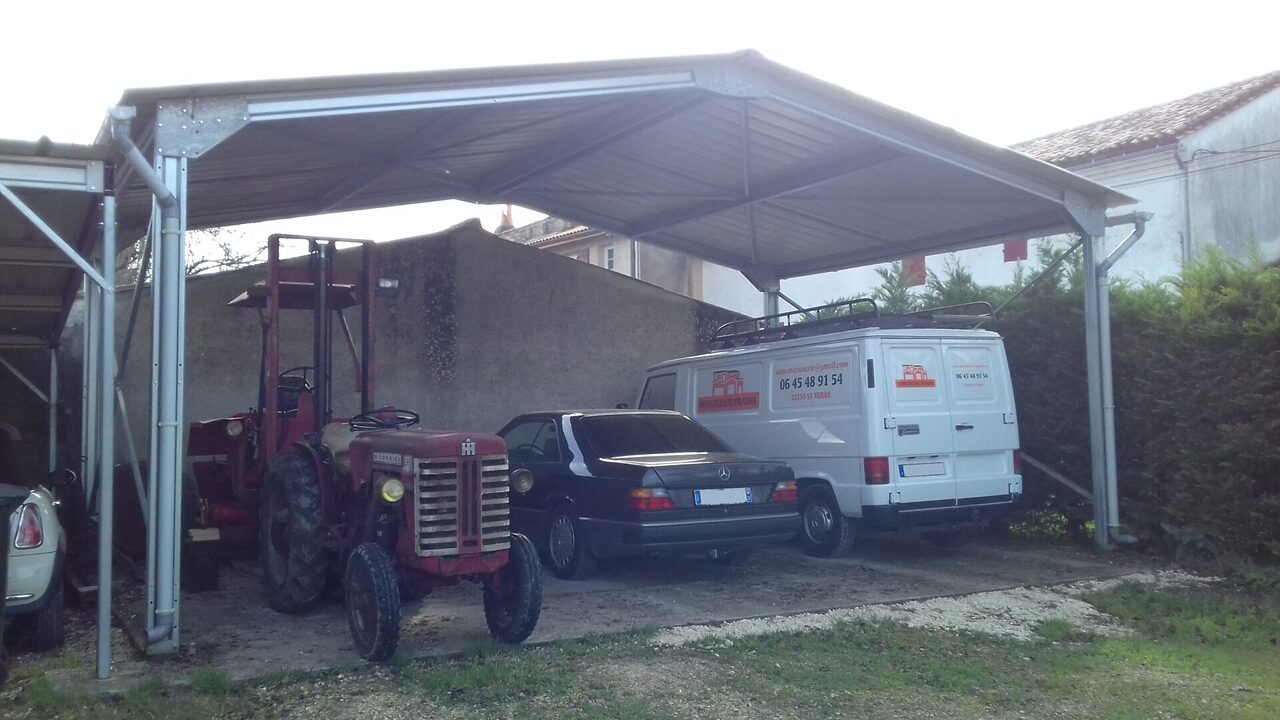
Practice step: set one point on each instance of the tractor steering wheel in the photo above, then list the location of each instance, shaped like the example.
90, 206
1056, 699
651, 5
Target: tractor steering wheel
293, 378
385, 418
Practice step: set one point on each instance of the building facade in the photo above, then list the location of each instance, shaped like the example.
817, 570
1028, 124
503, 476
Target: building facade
1207, 166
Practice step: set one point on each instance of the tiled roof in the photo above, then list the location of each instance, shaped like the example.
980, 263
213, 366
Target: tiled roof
1148, 127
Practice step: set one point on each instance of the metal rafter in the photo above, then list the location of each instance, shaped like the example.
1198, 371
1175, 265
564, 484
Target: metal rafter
768, 190
633, 116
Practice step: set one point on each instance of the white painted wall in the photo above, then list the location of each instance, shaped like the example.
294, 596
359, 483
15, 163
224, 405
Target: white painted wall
1234, 204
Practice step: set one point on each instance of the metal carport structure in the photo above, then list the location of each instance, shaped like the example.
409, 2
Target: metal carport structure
57, 237
730, 158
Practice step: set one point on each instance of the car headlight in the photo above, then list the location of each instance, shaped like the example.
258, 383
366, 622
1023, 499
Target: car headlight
522, 481
392, 490
234, 428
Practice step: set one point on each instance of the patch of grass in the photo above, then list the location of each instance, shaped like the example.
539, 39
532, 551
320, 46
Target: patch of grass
44, 699
146, 697
207, 681
1062, 631
1203, 654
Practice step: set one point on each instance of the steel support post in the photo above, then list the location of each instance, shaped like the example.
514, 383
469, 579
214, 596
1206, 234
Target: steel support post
168, 313
1093, 368
88, 394
106, 385
771, 305
53, 408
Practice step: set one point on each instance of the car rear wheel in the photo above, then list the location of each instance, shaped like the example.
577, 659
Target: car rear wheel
513, 595
825, 531
373, 603
566, 547
46, 623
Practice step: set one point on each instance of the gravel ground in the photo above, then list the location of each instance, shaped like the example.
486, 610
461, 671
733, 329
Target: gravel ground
1013, 614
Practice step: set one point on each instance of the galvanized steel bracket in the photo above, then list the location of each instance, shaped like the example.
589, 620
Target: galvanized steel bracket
1088, 213
190, 128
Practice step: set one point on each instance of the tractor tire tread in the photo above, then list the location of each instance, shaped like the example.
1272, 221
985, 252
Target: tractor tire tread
307, 575
387, 597
523, 559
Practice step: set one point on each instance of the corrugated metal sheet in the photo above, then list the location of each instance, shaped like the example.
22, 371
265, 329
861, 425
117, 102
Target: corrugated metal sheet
732, 158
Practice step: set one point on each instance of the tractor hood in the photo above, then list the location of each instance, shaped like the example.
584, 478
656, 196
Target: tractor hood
389, 449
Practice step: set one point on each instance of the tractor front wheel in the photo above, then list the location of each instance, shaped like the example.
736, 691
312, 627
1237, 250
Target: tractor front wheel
373, 603
294, 559
513, 595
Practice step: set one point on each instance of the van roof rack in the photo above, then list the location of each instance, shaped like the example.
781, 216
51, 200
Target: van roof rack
837, 316
852, 314
948, 315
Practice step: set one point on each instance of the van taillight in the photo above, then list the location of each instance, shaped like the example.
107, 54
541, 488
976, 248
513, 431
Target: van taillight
649, 499
1017, 461
876, 470
30, 530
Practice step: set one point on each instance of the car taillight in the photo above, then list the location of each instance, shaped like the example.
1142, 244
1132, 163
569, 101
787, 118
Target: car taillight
1017, 461
30, 530
876, 470
784, 492
648, 499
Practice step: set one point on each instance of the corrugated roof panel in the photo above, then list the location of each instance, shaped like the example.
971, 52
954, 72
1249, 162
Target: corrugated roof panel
647, 147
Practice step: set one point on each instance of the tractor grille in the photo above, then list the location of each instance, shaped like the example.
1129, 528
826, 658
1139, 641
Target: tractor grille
463, 505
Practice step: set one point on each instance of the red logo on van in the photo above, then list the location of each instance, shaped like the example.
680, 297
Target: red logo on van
915, 376
728, 393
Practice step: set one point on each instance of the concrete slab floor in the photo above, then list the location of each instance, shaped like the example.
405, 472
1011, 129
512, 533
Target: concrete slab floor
232, 630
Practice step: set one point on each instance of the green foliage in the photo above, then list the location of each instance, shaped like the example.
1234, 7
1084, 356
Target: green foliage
1196, 362
208, 681
893, 295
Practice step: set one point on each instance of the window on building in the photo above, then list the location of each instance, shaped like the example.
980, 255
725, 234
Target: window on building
608, 258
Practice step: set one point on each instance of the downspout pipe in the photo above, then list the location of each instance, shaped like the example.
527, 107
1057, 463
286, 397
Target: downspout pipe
1139, 222
121, 118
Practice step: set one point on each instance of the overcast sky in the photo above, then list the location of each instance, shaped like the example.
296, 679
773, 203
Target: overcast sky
1002, 72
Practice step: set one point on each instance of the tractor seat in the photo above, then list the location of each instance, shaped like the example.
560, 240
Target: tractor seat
336, 438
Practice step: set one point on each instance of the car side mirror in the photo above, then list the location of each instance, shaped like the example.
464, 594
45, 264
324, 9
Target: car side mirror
62, 477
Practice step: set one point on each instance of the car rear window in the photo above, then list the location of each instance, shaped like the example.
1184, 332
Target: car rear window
623, 435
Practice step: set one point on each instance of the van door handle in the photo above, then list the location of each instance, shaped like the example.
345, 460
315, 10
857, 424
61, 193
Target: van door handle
964, 426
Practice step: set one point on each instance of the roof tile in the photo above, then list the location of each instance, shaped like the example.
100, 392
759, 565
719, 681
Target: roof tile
1148, 127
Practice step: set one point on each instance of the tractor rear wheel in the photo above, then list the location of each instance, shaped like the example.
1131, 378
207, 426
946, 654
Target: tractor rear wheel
373, 602
513, 595
294, 559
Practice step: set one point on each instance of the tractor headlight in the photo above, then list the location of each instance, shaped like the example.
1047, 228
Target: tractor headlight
234, 428
392, 490
522, 481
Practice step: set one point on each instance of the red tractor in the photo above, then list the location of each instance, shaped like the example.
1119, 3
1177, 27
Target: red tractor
373, 503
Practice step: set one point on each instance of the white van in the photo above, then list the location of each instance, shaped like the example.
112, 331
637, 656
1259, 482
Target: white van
887, 421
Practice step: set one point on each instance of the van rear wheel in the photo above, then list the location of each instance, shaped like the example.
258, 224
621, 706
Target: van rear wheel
825, 531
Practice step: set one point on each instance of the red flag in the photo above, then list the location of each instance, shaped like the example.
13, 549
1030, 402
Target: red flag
913, 268
1016, 250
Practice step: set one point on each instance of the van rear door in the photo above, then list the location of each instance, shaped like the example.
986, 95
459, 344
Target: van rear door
983, 427
919, 421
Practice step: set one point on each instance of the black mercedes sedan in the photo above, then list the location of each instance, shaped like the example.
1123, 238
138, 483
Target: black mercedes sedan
591, 484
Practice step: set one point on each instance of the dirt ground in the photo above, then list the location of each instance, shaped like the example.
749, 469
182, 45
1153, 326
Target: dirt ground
233, 632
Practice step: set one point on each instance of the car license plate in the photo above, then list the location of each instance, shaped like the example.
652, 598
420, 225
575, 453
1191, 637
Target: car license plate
726, 496
910, 470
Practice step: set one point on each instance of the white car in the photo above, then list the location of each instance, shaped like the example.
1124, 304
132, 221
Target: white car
37, 549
